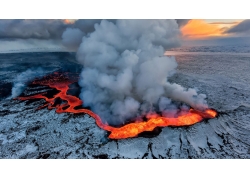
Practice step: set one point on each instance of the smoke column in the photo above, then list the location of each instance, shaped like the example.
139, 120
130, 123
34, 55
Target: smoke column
125, 73
21, 80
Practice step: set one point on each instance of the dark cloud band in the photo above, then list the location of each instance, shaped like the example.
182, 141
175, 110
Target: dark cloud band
241, 28
48, 28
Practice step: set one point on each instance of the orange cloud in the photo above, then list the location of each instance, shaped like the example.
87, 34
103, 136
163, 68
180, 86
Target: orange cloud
68, 21
197, 29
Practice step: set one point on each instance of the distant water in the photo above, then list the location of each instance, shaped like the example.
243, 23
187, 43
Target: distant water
231, 49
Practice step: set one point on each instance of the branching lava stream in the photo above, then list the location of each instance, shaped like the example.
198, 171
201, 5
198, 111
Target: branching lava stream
62, 82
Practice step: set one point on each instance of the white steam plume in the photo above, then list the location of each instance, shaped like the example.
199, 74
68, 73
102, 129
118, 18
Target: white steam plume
125, 71
21, 80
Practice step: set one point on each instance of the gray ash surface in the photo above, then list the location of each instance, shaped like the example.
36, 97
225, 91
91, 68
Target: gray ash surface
28, 133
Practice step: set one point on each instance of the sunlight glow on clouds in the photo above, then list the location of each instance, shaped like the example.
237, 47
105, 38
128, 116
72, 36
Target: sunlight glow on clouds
201, 29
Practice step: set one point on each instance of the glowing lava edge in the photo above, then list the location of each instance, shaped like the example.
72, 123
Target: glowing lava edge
61, 83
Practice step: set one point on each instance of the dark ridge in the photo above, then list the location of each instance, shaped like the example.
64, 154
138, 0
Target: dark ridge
100, 156
108, 133
66, 107
82, 107
128, 121
43, 156
37, 87
5, 89
76, 115
144, 118
57, 101
32, 129
74, 89
150, 150
4, 112
31, 101
205, 120
51, 93
105, 139
151, 134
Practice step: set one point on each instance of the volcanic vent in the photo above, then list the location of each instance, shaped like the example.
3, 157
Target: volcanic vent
63, 102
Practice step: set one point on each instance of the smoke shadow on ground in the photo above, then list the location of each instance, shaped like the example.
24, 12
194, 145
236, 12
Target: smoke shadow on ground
5, 89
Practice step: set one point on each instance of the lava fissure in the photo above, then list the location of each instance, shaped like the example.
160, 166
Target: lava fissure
72, 103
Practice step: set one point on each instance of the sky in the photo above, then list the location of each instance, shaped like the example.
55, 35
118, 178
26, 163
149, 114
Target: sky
47, 35
210, 28
202, 29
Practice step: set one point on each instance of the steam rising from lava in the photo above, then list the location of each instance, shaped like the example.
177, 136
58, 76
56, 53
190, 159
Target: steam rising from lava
124, 79
72, 104
23, 78
125, 72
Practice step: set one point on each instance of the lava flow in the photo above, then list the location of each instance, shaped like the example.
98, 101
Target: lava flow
61, 83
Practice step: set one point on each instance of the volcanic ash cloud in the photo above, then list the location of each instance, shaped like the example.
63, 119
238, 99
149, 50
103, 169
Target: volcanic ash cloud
125, 72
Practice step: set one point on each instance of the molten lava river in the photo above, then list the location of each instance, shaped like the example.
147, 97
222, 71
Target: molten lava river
61, 83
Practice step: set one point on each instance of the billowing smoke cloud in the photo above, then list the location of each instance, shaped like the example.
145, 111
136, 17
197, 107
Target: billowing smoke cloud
241, 28
72, 38
125, 71
23, 78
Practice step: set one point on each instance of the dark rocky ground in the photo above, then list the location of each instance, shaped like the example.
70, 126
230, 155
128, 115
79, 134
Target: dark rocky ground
224, 78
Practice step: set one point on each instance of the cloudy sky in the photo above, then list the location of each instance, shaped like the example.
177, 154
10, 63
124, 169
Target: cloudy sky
205, 29
46, 35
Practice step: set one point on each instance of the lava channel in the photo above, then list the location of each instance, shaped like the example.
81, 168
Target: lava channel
61, 83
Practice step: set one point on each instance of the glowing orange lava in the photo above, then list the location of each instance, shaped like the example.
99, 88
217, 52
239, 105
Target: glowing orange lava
61, 83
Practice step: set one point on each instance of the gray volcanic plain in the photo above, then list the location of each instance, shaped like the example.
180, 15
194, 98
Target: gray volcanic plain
223, 76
